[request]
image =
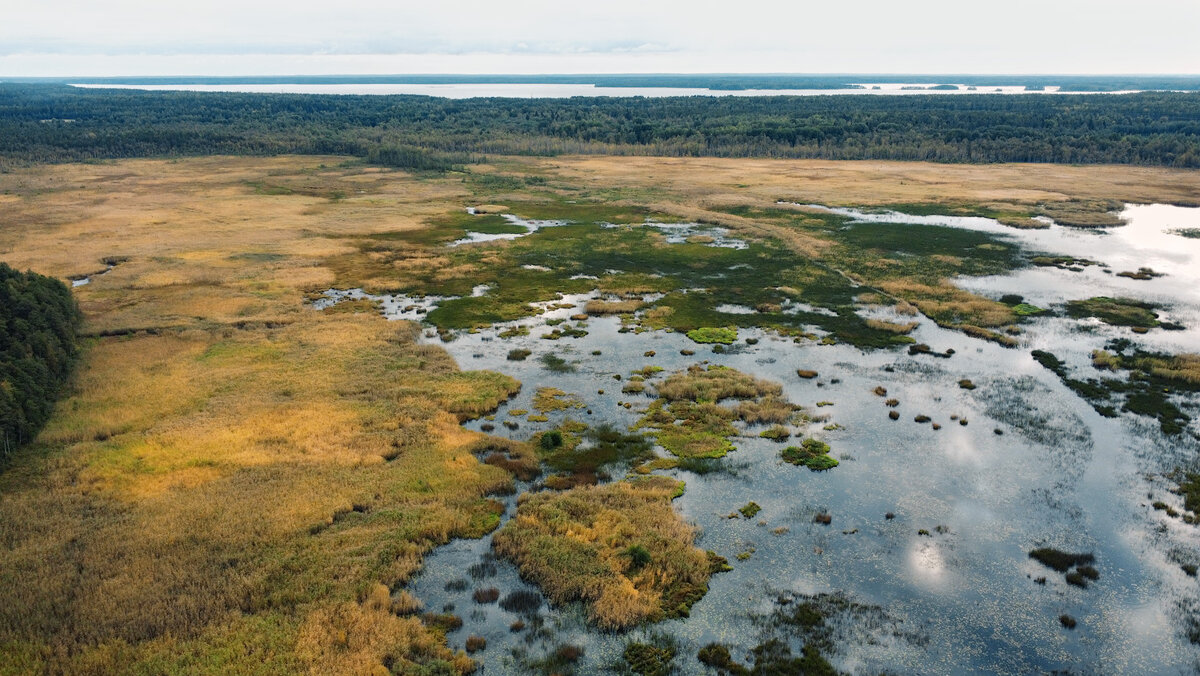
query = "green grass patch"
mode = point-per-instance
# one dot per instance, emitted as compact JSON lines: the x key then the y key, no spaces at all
{"x":724,"y":335}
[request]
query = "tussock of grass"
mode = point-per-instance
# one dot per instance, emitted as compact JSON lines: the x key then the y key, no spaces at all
{"x":573,"y":545}
{"x":713,"y":384}
{"x":612,"y":307}
{"x":812,"y":454}
{"x":725,"y":336}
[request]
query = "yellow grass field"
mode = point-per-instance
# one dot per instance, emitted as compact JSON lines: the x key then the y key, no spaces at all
{"x":236,"y":483}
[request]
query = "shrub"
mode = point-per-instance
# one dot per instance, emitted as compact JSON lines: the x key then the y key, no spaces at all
{"x":551,"y":440}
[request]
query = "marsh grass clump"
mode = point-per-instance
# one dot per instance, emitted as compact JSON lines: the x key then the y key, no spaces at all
{"x":723,"y":335}
{"x":653,"y":657}
{"x":750,"y":510}
{"x":1152,"y":380}
{"x":519,"y":354}
{"x":548,"y":399}
{"x":475,"y":643}
{"x":626,"y":513}
{"x":777,"y":433}
{"x":486,"y":595}
{"x":1116,"y":311}
{"x":688,"y":419}
{"x":522,"y":602}
{"x":556,"y":364}
{"x":1063,"y":561}
{"x":812,"y":453}
{"x":579,"y":454}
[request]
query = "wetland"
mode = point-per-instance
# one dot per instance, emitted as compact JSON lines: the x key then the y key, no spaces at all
{"x":638,"y":415}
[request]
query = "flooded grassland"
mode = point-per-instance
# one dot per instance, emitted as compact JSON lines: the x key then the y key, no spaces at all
{"x":645,"y":415}
{"x":718,"y":362}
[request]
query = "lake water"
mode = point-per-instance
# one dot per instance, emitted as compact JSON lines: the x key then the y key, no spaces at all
{"x":960,"y":599}
{"x":558,"y":91}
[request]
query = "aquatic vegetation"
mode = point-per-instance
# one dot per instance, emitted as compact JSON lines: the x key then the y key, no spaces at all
{"x":486,"y":595}
{"x":1190,"y":233}
{"x":1140,"y":274}
{"x":713,"y":384}
{"x":966,"y":384}
{"x":519,"y":354}
{"x":1189,"y":488}
{"x":1152,"y":379}
{"x":1067,"y":621}
{"x":579,"y":454}
{"x":613,"y":307}
{"x":726,"y":335}
{"x":1061,"y":262}
{"x":653,"y":657}
{"x":776,"y":433}
{"x":556,"y":364}
{"x":548,"y":399}
{"x":618,"y":516}
{"x":1115,"y":311}
{"x":806,"y":374}
{"x":1060,"y":560}
{"x":1027,"y":310}
{"x":522,"y":602}
{"x":812,"y":453}
{"x":512,"y":456}
{"x":1081,"y":213}
{"x":893,"y":327}
{"x":750,"y":509}
{"x":688,"y":420}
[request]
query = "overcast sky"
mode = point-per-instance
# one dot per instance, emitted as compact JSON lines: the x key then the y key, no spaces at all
{"x":258,"y":37}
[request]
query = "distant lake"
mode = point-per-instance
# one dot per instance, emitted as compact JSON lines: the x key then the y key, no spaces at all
{"x":560,"y":91}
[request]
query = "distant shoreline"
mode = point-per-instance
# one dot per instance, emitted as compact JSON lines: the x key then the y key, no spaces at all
{"x":710,"y":83}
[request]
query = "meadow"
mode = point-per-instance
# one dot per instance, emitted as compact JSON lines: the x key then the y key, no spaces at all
{"x":234,"y":482}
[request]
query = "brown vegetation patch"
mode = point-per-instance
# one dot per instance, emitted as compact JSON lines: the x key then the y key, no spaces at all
{"x":621,"y":548}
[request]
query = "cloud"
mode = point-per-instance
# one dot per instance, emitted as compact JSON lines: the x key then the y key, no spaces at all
{"x":763,"y":35}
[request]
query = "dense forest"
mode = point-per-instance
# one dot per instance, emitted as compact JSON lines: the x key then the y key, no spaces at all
{"x":55,"y":122}
{"x":38,"y":319}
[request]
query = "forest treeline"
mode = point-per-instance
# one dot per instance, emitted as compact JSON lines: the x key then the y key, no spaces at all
{"x":38,"y":321}
{"x":54,"y":122}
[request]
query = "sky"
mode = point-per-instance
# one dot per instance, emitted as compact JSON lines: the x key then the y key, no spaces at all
{"x":274,"y":37}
